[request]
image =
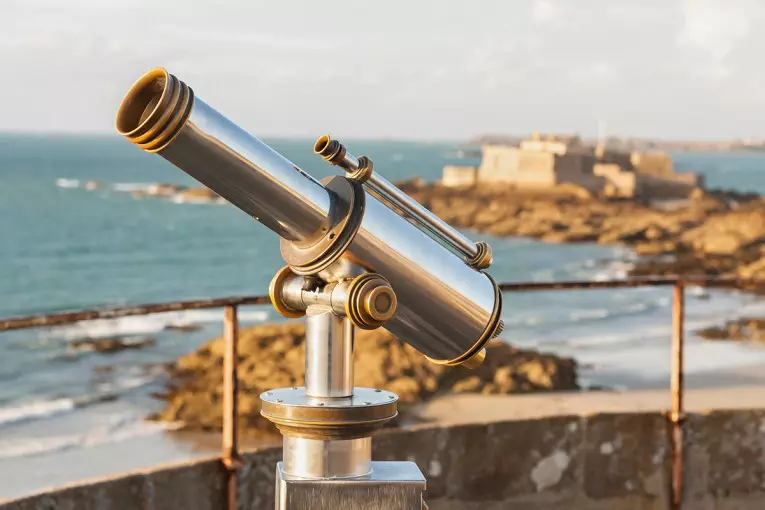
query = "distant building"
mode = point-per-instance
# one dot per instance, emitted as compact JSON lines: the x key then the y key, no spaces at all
{"x":545,"y":161}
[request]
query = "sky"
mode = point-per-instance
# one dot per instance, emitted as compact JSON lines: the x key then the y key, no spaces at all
{"x":401,"y":69}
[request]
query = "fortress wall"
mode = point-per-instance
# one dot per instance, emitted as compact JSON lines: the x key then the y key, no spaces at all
{"x":600,"y":461}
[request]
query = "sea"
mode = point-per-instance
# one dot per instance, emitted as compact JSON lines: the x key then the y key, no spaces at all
{"x":68,"y":414}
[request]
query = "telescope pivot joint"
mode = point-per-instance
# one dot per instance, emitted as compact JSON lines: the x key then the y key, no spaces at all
{"x":367,"y":300}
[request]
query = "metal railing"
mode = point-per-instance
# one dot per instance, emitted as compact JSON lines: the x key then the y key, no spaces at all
{"x":230,"y":446}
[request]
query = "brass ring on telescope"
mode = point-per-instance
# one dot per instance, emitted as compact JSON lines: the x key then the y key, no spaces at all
{"x":473,"y":357}
{"x":364,"y":172}
{"x":275,"y":293}
{"x":314,"y":255}
{"x":154,"y":110}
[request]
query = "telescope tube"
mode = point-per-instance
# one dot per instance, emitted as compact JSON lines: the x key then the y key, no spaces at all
{"x":161,"y":115}
{"x":445,"y":309}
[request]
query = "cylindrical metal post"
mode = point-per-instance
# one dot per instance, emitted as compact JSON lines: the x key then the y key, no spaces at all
{"x":678,"y":414}
{"x":328,"y":354}
{"x":334,"y":458}
{"x":230,"y":394}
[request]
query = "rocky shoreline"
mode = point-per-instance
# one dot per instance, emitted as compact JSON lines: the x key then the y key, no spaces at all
{"x":711,"y":233}
{"x":272,"y":356}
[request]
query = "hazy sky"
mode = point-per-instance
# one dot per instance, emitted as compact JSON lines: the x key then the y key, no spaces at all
{"x":398,"y":68}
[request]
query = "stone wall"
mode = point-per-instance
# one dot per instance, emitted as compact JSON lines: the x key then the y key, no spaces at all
{"x":652,"y":163}
{"x":619,"y":182}
{"x":459,"y":176}
{"x":601,"y":461}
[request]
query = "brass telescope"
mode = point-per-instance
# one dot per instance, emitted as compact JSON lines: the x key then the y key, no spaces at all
{"x":360,"y":253}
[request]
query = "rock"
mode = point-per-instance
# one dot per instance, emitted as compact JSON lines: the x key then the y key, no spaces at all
{"x":110,"y":345}
{"x":272,"y":356}
{"x":163,"y":190}
{"x":185,"y":328}
{"x":654,"y":233}
{"x":655,"y":247}
{"x":714,"y":333}
{"x":726,"y":243}
{"x":196,"y":195}
{"x":754,"y":269}
{"x":743,"y":329}
{"x":697,"y":194}
{"x":575,"y":190}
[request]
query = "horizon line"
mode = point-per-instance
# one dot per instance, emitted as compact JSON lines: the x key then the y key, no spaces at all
{"x":643,"y":138}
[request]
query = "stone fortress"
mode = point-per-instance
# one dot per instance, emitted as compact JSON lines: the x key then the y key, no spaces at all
{"x":546,"y":161}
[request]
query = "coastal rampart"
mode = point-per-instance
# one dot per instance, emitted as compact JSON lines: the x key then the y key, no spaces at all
{"x":614,"y":460}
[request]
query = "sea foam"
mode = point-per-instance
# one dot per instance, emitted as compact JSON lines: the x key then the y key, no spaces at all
{"x":146,"y":324}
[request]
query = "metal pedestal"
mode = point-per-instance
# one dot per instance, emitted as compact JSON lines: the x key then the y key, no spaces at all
{"x":328,"y":426}
{"x":390,"y":486}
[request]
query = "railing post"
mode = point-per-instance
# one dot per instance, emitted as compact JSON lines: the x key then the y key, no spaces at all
{"x":677,"y":416}
{"x":231,"y":457}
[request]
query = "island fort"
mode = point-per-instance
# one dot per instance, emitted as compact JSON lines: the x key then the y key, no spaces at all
{"x":544,"y":161}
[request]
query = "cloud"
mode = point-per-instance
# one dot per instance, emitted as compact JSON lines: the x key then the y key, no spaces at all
{"x":445,"y":68}
{"x":547,"y":13}
{"x":714,"y":26}
{"x":594,"y":74}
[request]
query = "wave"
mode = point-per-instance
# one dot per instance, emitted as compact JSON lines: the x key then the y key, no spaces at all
{"x":592,"y":314}
{"x":581,"y":315}
{"x":67,"y":183}
{"x":33,"y":410}
{"x":119,"y":427}
{"x":126,"y":383}
{"x":632,"y":338}
{"x":132,"y":186}
{"x":145,"y":324}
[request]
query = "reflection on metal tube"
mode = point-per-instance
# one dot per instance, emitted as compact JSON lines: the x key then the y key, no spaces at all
{"x":318,"y":458}
{"x":328,"y":355}
{"x":160,"y":114}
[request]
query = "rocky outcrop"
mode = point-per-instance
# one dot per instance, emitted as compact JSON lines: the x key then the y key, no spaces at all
{"x":713,"y":233}
{"x":272,"y":356}
{"x":743,"y":329}
{"x":110,"y":345}
{"x":196,"y":195}
{"x":177,"y":193}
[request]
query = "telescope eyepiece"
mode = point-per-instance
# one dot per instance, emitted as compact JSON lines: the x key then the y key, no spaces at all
{"x":154,"y":110}
{"x":333,"y":152}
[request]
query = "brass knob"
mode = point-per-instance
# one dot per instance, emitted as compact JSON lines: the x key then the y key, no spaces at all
{"x":483,"y":258}
{"x":370,"y":302}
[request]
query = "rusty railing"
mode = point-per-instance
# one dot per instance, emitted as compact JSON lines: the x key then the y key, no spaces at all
{"x":230,"y":446}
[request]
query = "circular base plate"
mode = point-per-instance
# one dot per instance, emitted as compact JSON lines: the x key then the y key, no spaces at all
{"x":295,"y":413}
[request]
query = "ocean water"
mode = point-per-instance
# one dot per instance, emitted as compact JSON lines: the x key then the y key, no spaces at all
{"x":67,"y":414}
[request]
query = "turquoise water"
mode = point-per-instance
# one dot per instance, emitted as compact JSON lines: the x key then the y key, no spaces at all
{"x":65,"y":247}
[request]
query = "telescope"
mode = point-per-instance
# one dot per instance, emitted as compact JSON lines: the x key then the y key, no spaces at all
{"x":359,"y":253}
